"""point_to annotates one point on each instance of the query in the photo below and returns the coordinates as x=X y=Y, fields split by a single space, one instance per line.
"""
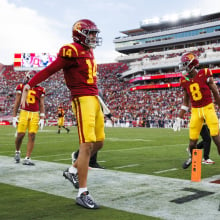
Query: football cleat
x=17 y=156
x=187 y=163
x=86 y=201
x=208 y=161
x=27 y=161
x=73 y=178
x=96 y=165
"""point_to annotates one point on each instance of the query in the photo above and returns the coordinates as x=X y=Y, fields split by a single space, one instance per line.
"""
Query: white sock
x=81 y=190
x=73 y=169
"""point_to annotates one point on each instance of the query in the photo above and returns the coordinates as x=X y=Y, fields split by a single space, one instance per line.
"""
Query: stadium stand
x=142 y=87
x=139 y=108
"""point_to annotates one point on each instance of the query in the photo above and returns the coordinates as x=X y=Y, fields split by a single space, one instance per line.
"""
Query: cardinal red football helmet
x=188 y=62
x=81 y=33
x=28 y=76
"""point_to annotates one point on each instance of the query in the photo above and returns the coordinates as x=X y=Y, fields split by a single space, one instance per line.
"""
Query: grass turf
x=159 y=152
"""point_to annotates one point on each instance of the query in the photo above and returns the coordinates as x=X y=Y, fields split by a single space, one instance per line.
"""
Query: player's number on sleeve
x=67 y=52
x=31 y=97
x=91 y=71
x=195 y=91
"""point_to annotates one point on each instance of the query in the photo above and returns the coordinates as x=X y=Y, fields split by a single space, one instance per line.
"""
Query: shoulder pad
x=206 y=71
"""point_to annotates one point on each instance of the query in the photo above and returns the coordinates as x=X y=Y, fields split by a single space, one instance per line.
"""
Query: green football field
x=156 y=154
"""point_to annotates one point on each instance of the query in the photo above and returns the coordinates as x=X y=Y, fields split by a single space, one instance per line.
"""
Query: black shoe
x=73 y=178
x=86 y=201
x=68 y=130
x=96 y=165
x=187 y=163
x=58 y=132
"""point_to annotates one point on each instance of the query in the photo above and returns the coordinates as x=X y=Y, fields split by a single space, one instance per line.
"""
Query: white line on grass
x=106 y=151
x=50 y=155
x=127 y=139
x=129 y=165
x=50 y=131
x=138 y=193
x=55 y=141
x=165 y=171
x=141 y=148
x=62 y=159
x=6 y=151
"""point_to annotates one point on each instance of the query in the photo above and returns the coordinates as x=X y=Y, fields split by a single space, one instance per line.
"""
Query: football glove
x=105 y=109
x=41 y=124
x=177 y=124
x=14 y=121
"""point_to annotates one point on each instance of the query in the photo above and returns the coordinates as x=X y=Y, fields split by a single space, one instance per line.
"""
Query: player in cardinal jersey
x=60 y=122
x=198 y=86
x=29 y=118
x=79 y=67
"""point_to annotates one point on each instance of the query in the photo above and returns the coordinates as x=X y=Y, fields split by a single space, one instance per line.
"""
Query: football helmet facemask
x=86 y=33
x=28 y=76
x=188 y=62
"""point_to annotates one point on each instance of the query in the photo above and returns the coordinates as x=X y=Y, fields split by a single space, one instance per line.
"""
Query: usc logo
x=190 y=56
x=77 y=26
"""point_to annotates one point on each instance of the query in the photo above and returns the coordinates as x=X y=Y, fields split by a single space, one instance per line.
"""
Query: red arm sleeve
x=58 y=64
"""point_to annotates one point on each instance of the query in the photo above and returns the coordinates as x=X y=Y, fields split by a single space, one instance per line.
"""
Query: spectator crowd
x=140 y=108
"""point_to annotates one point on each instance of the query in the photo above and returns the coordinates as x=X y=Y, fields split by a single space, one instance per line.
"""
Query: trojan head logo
x=77 y=26
x=190 y=56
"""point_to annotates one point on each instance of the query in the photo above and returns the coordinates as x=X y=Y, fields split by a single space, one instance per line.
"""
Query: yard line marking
x=141 y=148
x=104 y=151
x=6 y=151
x=50 y=131
x=137 y=193
x=130 y=165
x=127 y=139
x=62 y=159
x=50 y=155
x=55 y=141
x=164 y=171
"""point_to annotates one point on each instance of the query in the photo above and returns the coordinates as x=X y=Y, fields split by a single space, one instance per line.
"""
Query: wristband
x=183 y=107
x=42 y=114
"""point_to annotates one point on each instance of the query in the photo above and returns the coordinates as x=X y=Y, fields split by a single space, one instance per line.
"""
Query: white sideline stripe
x=137 y=193
x=130 y=165
x=164 y=171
